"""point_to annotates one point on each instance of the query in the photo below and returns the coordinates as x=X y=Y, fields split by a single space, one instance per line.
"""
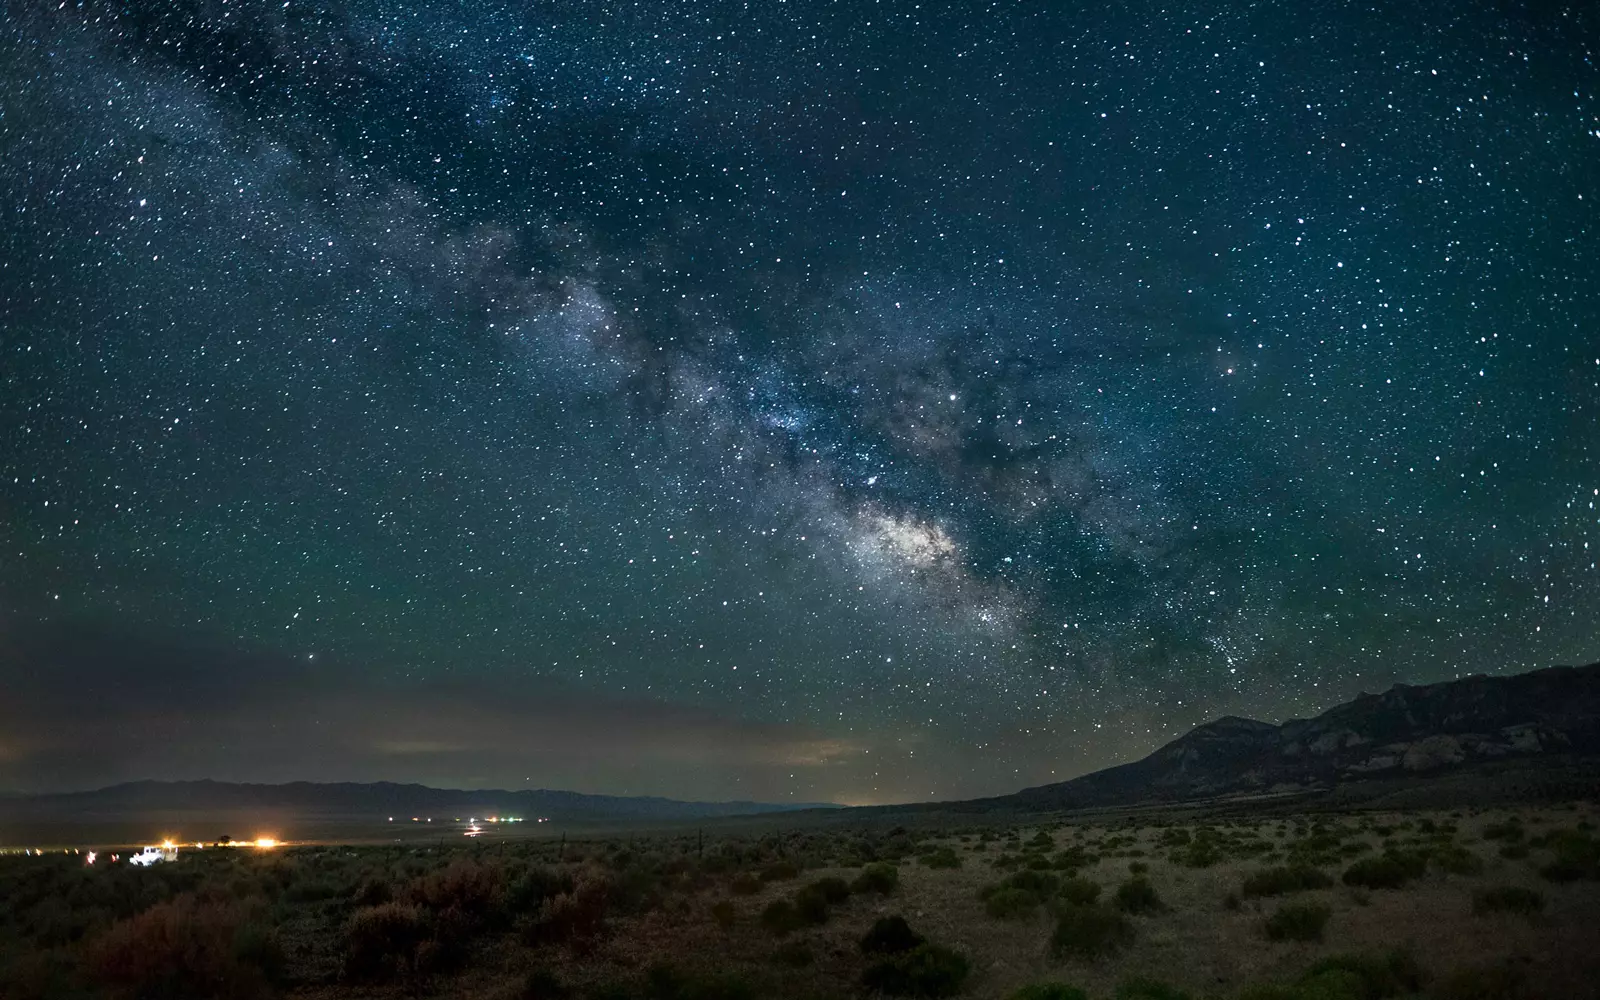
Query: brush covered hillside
x=1423 y=731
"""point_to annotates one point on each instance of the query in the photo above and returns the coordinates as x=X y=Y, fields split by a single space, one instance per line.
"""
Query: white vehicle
x=150 y=855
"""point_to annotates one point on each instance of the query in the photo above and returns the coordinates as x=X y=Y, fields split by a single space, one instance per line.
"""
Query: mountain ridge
x=1408 y=730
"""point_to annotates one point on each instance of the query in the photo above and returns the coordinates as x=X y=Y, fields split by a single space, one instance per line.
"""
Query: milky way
x=830 y=401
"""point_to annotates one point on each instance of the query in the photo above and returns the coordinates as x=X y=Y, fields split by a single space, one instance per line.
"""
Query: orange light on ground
x=266 y=843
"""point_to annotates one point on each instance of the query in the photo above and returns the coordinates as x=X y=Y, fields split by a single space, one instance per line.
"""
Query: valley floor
x=1475 y=905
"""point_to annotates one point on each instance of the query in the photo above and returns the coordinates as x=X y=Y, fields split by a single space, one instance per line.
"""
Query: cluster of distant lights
x=474 y=828
x=475 y=825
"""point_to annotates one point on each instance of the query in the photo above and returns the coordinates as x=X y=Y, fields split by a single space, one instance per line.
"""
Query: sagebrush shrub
x=1089 y=931
x=575 y=915
x=780 y=871
x=1456 y=860
x=1577 y=856
x=664 y=982
x=832 y=889
x=1393 y=974
x=744 y=884
x=1390 y=870
x=811 y=905
x=373 y=891
x=528 y=891
x=381 y=941
x=1137 y=895
x=928 y=970
x=542 y=984
x=782 y=917
x=180 y=949
x=1282 y=880
x=1010 y=903
x=889 y=935
x=1041 y=884
x=464 y=885
x=1049 y=991
x=1145 y=988
x=1500 y=981
x=1507 y=899
x=1297 y=922
x=1079 y=891
x=880 y=877
x=794 y=954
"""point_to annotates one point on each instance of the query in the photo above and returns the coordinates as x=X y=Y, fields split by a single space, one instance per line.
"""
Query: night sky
x=868 y=402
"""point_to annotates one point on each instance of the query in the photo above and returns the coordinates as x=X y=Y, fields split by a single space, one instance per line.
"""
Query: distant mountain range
x=1408 y=732
x=1459 y=737
x=376 y=800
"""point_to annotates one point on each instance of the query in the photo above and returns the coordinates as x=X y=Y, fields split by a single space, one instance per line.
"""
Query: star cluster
x=890 y=401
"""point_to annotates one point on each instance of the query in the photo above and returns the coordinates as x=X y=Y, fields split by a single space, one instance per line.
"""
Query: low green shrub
x=1394 y=973
x=1509 y=831
x=1507 y=899
x=781 y=917
x=1456 y=860
x=794 y=954
x=1390 y=870
x=1073 y=858
x=1145 y=988
x=1203 y=851
x=1137 y=895
x=890 y=935
x=542 y=984
x=928 y=970
x=944 y=857
x=1049 y=991
x=381 y=941
x=1078 y=891
x=567 y=916
x=1088 y=932
x=1283 y=880
x=1348 y=977
x=373 y=891
x=880 y=877
x=1009 y=903
x=186 y=947
x=780 y=871
x=811 y=903
x=1297 y=922
x=1500 y=981
x=1577 y=856
x=664 y=982
x=832 y=889
x=1041 y=884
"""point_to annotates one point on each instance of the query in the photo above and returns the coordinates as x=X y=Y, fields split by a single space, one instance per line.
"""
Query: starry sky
x=804 y=400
